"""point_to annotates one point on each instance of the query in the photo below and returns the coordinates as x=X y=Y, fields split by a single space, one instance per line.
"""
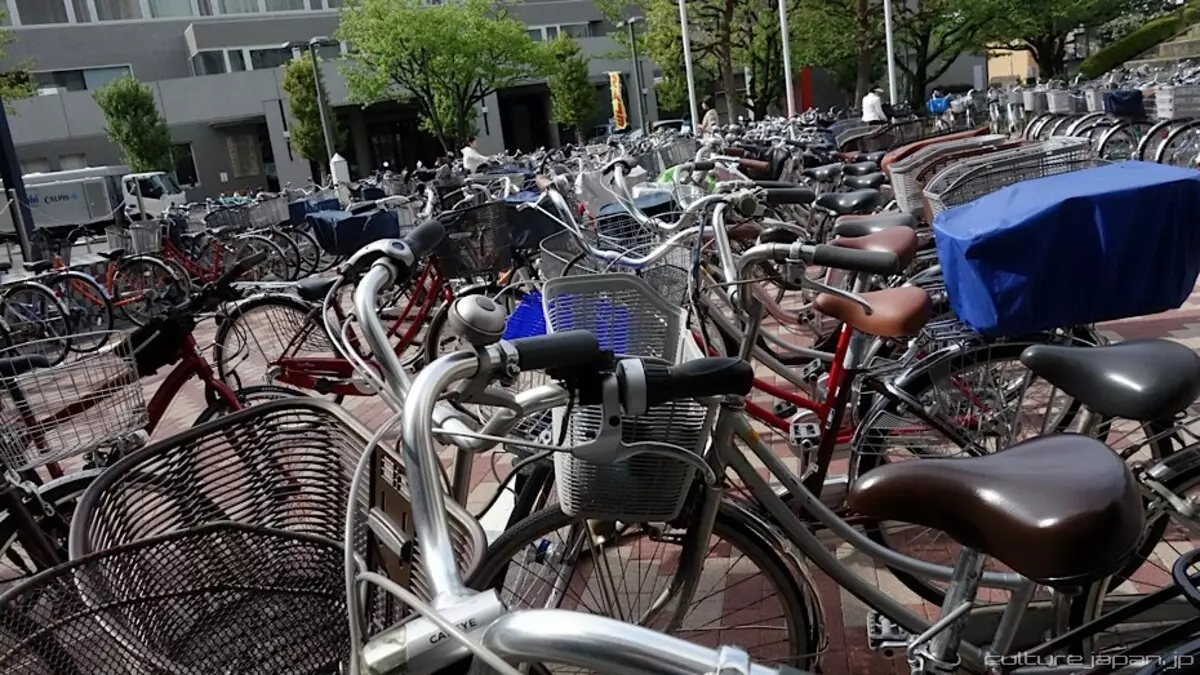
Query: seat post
x=940 y=654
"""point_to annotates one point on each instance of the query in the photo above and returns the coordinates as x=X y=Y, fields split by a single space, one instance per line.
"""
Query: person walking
x=472 y=158
x=872 y=107
x=711 y=120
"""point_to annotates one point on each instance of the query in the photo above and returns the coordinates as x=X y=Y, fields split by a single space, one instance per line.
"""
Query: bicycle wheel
x=259 y=331
x=1020 y=406
x=1119 y=143
x=438 y=340
x=145 y=288
x=248 y=396
x=1181 y=147
x=89 y=309
x=274 y=268
x=750 y=590
x=37 y=321
x=62 y=494
x=310 y=252
x=182 y=274
x=291 y=253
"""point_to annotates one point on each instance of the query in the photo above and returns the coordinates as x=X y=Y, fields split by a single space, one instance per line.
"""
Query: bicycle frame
x=202 y=272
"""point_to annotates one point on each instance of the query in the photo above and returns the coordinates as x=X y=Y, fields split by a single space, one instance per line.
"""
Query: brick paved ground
x=845 y=652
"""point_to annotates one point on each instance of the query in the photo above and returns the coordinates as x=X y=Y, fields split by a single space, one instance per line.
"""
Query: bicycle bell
x=477 y=319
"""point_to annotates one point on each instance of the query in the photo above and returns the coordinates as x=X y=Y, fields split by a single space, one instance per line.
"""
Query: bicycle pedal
x=784 y=409
x=813 y=370
x=804 y=431
x=883 y=635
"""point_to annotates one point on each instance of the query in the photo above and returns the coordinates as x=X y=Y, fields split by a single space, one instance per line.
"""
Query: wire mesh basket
x=663 y=157
x=220 y=598
x=978 y=176
x=145 y=237
x=268 y=212
x=563 y=254
x=283 y=464
x=478 y=241
x=628 y=317
x=236 y=217
x=904 y=173
x=117 y=237
x=80 y=405
x=1034 y=101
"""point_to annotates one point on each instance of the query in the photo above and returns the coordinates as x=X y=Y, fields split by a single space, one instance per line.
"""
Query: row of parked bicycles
x=715 y=365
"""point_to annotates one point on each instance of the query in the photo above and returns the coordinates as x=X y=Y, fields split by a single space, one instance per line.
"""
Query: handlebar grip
x=558 y=350
x=735 y=152
x=704 y=165
x=753 y=165
x=699 y=378
x=871 y=262
x=768 y=184
x=790 y=195
x=425 y=237
x=240 y=267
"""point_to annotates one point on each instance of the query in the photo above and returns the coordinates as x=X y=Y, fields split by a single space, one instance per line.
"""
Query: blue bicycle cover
x=1112 y=242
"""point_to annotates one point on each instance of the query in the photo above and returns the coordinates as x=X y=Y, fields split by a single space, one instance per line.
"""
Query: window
x=208 y=63
x=83 y=13
x=40 y=12
x=262 y=59
x=78 y=80
x=540 y=33
x=185 y=165
x=162 y=9
x=36 y=165
x=95 y=78
x=118 y=10
x=243 y=155
x=237 y=6
x=575 y=30
x=237 y=61
x=72 y=162
x=329 y=52
x=285 y=5
x=534 y=34
x=551 y=32
x=333 y=4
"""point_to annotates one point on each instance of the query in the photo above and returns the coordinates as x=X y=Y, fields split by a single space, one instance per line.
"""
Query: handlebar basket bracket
x=629 y=317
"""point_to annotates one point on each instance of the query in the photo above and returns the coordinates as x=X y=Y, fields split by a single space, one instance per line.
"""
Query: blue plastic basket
x=527 y=320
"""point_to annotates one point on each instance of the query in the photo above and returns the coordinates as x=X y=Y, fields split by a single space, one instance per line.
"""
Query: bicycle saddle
x=1061 y=510
x=5 y=266
x=845 y=203
x=865 y=181
x=896 y=312
x=873 y=157
x=37 y=266
x=115 y=254
x=859 y=168
x=857 y=226
x=899 y=241
x=1139 y=380
x=224 y=230
x=315 y=290
x=777 y=235
x=16 y=365
x=823 y=174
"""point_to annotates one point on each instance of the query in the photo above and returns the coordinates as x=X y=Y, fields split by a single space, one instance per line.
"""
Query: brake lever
x=819 y=287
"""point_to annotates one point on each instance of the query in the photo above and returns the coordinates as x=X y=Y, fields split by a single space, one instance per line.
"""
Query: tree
x=844 y=37
x=445 y=58
x=934 y=33
x=15 y=83
x=133 y=122
x=572 y=96
x=305 y=134
x=1044 y=28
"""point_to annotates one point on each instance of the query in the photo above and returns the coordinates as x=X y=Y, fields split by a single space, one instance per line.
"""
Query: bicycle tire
x=871 y=455
x=64 y=285
x=1175 y=134
x=733 y=524
x=249 y=396
x=58 y=493
x=181 y=274
x=275 y=265
x=223 y=350
x=52 y=334
x=156 y=306
x=310 y=251
x=431 y=348
x=291 y=252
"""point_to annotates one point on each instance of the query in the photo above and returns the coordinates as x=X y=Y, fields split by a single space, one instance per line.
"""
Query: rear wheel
x=260 y=331
x=274 y=268
x=89 y=309
x=291 y=253
x=310 y=252
x=145 y=288
x=37 y=321
x=248 y=396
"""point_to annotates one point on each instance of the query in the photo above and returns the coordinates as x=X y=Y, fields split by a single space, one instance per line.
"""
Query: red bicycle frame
x=201 y=272
x=333 y=374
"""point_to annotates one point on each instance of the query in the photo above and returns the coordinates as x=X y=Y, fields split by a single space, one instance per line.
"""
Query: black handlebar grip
x=425 y=237
x=790 y=195
x=774 y=184
x=558 y=350
x=871 y=262
x=704 y=165
x=699 y=378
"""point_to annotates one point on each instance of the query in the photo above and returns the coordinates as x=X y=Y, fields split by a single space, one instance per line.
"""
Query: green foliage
x=1137 y=43
x=445 y=58
x=1044 y=28
x=133 y=123
x=305 y=134
x=936 y=32
x=572 y=96
x=672 y=94
x=15 y=83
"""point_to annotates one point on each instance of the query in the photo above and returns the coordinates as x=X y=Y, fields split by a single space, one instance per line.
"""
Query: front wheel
x=248 y=396
x=749 y=591
x=38 y=322
x=89 y=309
x=145 y=288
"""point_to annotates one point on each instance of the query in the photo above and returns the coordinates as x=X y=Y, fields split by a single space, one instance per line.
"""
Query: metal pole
x=10 y=173
x=789 y=86
x=687 y=66
x=637 y=77
x=322 y=106
x=891 y=52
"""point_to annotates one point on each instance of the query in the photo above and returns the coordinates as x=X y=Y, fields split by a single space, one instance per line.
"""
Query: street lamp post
x=322 y=105
x=637 y=70
x=789 y=86
x=891 y=52
x=687 y=67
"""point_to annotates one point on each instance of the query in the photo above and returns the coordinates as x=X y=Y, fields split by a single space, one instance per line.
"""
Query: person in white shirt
x=472 y=158
x=711 y=119
x=872 y=107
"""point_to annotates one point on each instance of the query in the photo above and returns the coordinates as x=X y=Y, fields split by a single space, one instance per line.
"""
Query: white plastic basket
x=1059 y=102
x=1034 y=101
x=145 y=237
x=117 y=238
x=1016 y=97
x=1094 y=99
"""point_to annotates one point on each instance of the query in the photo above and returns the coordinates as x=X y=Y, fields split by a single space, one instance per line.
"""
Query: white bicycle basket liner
x=630 y=317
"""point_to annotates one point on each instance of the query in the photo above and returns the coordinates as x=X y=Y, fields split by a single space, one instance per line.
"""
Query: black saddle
x=874 y=157
x=859 y=168
x=38 y=266
x=864 y=182
x=315 y=290
x=114 y=255
x=846 y=203
x=823 y=174
x=777 y=235
x=16 y=365
x=864 y=225
x=5 y=266
x=1138 y=380
x=224 y=230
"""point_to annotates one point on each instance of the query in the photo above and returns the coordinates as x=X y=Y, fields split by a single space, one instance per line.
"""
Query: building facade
x=214 y=66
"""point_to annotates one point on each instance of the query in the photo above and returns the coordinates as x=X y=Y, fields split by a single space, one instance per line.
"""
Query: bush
x=1136 y=43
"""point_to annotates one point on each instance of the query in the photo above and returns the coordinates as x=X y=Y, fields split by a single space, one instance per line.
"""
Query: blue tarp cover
x=299 y=208
x=1116 y=241
x=342 y=233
